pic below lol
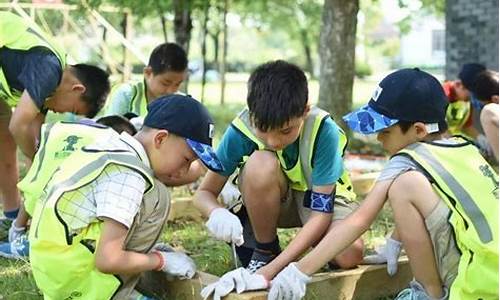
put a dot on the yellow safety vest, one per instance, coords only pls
(138, 103)
(300, 175)
(63, 263)
(19, 34)
(57, 142)
(469, 186)
(457, 114)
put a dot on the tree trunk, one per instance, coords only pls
(163, 20)
(183, 24)
(215, 40)
(206, 7)
(224, 54)
(307, 52)
(336, 51)
(126, 25)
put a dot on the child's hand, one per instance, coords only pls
(177, 264)
(389, 254)
(289, 284)
(224, 225)
(239, 280)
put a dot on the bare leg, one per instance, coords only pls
(263, 185)
(412, 199)
(9, 195)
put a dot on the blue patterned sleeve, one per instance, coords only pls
(327, 161)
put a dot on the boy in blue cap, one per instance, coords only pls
(442, 192)
(103, 210)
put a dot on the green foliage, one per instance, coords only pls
(363, 69)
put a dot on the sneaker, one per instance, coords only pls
(417, 292)
(4, 228)
(17, 249)
(259, 259)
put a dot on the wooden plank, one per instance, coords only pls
(183, 207)
(367, 282)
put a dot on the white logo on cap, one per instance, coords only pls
(211, 129)
(377, 93)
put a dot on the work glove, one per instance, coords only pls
(229, 194)
(224, 225)
(174, 263)
(289, 284)
(15, 232)
(240, 280)
(388, 253)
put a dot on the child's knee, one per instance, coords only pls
(261, 168)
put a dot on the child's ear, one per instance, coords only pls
(494, 99)
(160, 137)
(420, 130)
(79, 88)
(307, 110)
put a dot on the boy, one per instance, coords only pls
(34, 78)
(102, 218)
(486, 91)
(289, 156)
(58, 141)
(163, 75)
(444, 196)
(458, 115)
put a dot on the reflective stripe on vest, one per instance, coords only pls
(19, 34)
(300, 175)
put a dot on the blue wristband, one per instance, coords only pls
(321, 202)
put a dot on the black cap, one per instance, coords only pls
(405, 95)
(187, 118)
(468, 74)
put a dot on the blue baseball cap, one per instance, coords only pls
(405, 95)
(187, 118)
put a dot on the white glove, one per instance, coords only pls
(289, 284)
(229, 194)
(224, 225)
(177, 264)
(388, 253)
(15, 232)
(240, 280)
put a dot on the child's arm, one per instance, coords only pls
(110, 256)
(310, 234)
(222, 224)
(347, 231)
(21, 125)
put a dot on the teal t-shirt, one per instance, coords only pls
(327, 157)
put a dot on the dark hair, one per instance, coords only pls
(468, 74)
(486, 85)
(168, 57)
(118, 123)
(405, 126)
(130, 115)
(277, 92)
(96, 82)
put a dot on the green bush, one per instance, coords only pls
(362, 69)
